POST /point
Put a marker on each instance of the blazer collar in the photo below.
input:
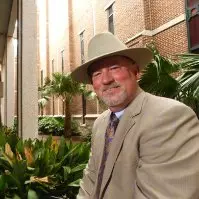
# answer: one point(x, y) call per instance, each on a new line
point(126, 123)
point(135, 107)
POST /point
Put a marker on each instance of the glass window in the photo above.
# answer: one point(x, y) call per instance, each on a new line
point(82, 61)
point(62, 61)
point(82, 47)
point(193, 24)
point(110, 19)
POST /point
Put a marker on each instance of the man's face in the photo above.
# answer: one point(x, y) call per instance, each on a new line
point(114, 80)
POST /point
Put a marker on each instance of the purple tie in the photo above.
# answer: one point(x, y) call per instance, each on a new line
point(110, 132)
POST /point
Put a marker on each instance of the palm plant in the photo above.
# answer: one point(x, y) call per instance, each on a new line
point(157, 77)
point(43, 98)
point(189, 81)
point(63, 86)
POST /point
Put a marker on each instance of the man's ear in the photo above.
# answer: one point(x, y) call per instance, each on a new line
point(138, 75)
point(137, 72)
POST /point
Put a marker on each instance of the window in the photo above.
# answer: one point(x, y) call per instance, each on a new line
point(62, 61)
point(62, 70)
point(41, 110)
point(110, 19)
point(53, 65)
point(82, 61)
point(42, 77)
point(193, 25)
point(53, 98)
point(82, 47)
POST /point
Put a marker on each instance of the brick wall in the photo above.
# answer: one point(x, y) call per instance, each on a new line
point(76, 105)
point(162, 11)
point(173, 40)
point(130, 18)
point(82, 20)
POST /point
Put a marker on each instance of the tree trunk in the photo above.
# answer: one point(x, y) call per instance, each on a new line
point(67, 120)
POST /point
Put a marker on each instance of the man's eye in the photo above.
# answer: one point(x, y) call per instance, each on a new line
point(95, 74)
point(114, 67)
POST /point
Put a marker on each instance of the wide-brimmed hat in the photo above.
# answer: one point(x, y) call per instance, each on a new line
point(104, 45)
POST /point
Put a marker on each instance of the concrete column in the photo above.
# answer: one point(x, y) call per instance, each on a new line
point(27, 70)
point(9, 98)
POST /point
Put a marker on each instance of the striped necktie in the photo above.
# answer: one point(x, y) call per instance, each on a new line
point(110, 132)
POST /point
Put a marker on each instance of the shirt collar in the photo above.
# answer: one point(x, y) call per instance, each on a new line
point(119, 114)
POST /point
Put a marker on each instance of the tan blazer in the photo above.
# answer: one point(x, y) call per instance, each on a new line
point(154, 154)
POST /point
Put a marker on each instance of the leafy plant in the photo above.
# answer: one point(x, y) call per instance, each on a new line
point(64, 87)
point(40, 169)
point(43, 97)
point(157, 77)
point(189, 81)
point(50, 125)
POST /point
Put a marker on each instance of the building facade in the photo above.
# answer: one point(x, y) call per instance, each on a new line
point(172, 25)
point(18, 66)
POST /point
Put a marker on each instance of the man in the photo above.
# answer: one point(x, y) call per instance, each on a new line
point(153, 153)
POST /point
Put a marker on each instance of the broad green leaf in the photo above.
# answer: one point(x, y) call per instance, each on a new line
point(75, 183)
point(16, 197)
point(2, 182)
point(20, 147)
point(48, 142)
point(67, 171)
point(78, 168)
point(62, 149)
point(32, 194)
point(2, 139)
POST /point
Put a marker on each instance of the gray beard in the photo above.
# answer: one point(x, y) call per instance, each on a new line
point(111, 101)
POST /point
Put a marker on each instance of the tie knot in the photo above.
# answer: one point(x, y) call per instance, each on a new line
point(114, 120)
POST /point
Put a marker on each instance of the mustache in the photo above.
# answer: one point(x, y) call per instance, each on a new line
point(112, 85)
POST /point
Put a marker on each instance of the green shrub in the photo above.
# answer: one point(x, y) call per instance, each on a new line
point(50, 125)
point(75, 127)
point(40, 169)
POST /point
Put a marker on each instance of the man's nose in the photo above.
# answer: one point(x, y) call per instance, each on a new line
point(107, 77)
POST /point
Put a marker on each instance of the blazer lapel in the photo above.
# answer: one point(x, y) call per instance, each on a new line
point(100, 139)
point(126, 123)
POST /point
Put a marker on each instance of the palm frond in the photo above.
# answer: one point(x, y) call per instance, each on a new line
point(189, 61)
point(63, 85)
point(43, 101)
point(157, 77)
point(189, 80)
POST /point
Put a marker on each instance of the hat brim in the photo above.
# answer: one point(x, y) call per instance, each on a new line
point(142, 56)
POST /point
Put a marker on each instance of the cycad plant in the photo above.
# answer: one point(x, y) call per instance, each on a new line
point(63, 86)
point(189, 81)
point(158, 76)
point(40, 169)
point(178, 80)
point(43, 98)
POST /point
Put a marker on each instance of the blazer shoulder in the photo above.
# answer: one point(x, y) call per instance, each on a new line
point(163, 105)
point(102, 116)
point(163, 101)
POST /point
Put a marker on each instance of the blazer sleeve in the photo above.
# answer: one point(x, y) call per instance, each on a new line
point(168, 166)
point(88, 180)
point(89, 177)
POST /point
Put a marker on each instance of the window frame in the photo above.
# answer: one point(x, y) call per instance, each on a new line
point(110, 16)
point(81, 36)
point(189, 16)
